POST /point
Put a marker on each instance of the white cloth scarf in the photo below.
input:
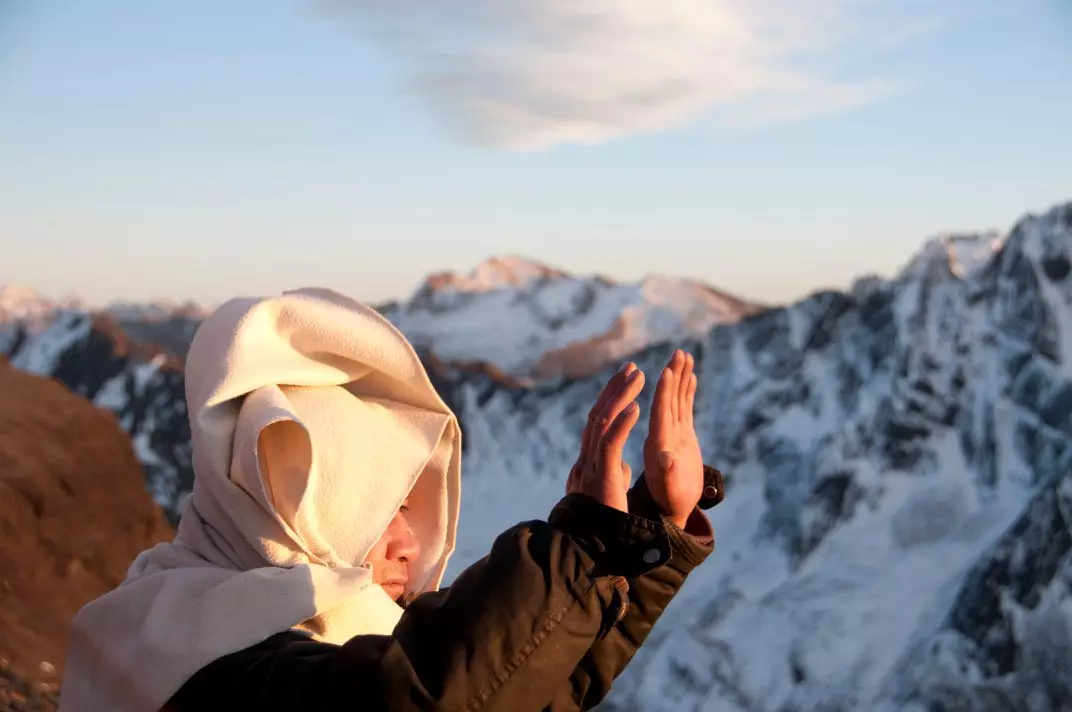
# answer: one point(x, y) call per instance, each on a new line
point(312, 420)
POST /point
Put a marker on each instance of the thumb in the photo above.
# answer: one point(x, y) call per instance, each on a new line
point(627, 474)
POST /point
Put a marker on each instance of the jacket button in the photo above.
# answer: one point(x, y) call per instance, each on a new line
point(652, 556)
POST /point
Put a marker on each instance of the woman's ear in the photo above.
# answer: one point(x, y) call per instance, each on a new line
point(284, 460)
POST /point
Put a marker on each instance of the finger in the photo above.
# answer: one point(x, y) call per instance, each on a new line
point(613, 385)
point(586, 435)
point(629, 390)
point(595, 433)
point(677, 365)
point(634, 384)
point(690, 401)
point(613, 443)
point(661, 409)
point(601, 425)
point(683, 383)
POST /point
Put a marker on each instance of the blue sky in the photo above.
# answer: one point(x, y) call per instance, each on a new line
point(202, 150)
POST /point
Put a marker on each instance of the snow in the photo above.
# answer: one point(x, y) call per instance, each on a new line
point(158, 310)
point(22, 303)
point(528, 319)
point(42, 353)
point(1036, 244)
point(113, 394)
point(525, 318)
point(968, 254)
point(863, 577)
point(493, 274)
point(858, 579)
point(145, 371)
point(961, 255)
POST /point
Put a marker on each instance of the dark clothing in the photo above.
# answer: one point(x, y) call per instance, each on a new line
point(546, 621)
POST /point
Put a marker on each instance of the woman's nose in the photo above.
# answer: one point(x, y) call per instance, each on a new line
point(405, 546)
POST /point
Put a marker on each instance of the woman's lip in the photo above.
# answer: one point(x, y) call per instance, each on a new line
point(399, 586)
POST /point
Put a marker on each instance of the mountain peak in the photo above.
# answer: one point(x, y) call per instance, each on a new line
point(962, 254)
point(496, 272)
point(22, 303)
point(550, 323)
point(968, 253)
point(157, 310)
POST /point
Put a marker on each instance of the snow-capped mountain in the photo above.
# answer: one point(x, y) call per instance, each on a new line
point(21, 303)
point(523, 318)
point(897, 529)
point(168, 325)
point(158, 310)
point(897, 533)
point(141, 383)
point(531, 320)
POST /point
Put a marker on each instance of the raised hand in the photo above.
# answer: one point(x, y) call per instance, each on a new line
point(599, 471)
point(673, 463)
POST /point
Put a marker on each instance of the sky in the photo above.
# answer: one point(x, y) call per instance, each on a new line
point(201, 150)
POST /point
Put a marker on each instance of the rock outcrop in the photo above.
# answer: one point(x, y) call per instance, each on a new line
point(74, 512)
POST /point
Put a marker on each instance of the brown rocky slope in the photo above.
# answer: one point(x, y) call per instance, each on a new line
point(74, 512)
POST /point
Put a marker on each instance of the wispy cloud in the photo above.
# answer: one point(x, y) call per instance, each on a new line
point(529, 74)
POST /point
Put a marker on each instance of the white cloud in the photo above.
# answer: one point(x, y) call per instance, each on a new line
point(529, 74)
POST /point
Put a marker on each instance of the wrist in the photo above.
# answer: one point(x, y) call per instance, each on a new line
point(678, 520)
point(692, 522)
point(618, 543)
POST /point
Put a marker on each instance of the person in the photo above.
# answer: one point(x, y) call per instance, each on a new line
point(306, 570)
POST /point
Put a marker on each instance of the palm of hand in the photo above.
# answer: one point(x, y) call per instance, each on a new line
point(678, 487)
point(600, 471)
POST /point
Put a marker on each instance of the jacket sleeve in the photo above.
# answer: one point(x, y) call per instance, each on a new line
point(649, 593)
point(506, 636)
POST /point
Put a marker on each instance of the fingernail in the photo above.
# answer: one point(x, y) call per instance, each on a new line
point(631, 407)
point(665, 459)
point(633, 376)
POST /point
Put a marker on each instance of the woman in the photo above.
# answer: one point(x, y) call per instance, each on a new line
point(305, 572)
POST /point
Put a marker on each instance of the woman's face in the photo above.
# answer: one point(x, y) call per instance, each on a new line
point(392, 555)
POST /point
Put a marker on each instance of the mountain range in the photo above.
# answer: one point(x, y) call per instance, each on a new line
point(897, 532)
point(517, 316)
